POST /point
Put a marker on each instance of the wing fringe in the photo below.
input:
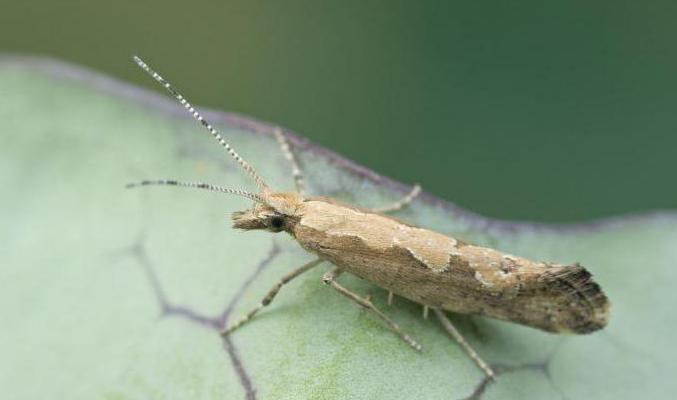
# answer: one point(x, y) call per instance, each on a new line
point(576, 283)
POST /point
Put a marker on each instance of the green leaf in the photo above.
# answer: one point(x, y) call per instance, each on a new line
point(114, 293)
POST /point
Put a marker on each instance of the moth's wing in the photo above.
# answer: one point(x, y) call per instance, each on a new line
point(563, 298)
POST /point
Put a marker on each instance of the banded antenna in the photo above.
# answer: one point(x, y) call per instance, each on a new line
point(244, 164)
point(200, 185)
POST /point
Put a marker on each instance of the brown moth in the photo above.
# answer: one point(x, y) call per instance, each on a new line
point(438, 271)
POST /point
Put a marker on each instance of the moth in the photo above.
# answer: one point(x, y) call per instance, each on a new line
point(440, 272)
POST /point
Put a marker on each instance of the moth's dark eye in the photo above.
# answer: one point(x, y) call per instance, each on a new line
point(276, 222)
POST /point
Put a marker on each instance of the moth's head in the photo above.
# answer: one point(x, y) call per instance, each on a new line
point(278, 212)
point(273, 211)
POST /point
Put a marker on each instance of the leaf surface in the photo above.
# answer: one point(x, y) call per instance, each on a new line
point(114, 293)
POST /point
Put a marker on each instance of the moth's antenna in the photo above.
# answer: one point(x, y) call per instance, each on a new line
point(259, 181)
point(199, 185)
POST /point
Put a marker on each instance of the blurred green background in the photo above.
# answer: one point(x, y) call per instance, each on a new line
point(533, 110)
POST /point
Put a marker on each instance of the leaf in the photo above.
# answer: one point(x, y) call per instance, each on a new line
point(114, 293)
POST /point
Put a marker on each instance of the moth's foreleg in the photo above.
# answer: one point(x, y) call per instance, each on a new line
point(456, 335)
point(330, 279)
point(271, 295)
point(299, 181)
point(404, 201)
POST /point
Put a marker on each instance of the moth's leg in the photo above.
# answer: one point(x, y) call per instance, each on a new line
point(425, 311)
point(401, 202)
point(454, 333)
point(391, 295)
point(330, 279)
point(289, 155)
point(271, 295)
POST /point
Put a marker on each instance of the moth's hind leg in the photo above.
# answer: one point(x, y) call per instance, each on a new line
point(399, 204)
point(456, 335)
point(330, 279)
point(299, 180)
point(271, 295)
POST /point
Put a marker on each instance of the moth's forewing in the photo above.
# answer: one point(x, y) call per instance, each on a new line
point(442, 272)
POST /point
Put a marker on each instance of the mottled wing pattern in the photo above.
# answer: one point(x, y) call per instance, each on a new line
point(443, 272)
